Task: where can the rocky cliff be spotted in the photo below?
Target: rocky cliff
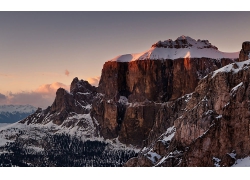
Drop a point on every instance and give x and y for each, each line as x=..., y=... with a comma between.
x=211, y=129
x=134, y=91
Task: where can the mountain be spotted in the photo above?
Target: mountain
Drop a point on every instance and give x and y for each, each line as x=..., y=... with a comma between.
x=129, y=105
x=64, y=134
x=183, y=46
x=211, y=127
x=180, y=103
x=14, y=113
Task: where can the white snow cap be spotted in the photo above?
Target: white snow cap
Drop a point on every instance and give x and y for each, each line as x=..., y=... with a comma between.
x=183, y=46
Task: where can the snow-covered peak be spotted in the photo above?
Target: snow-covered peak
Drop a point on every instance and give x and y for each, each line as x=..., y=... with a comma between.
x=184, y=42
x=182, y=47
x=17, y=108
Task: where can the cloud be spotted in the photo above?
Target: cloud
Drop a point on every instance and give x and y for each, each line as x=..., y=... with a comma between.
x=66, y=72
x=94, y=81
x=32, y=98
x=50, y=88
x=2, y=97
x=42, y=97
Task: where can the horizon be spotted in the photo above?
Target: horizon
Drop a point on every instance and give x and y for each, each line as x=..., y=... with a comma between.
x=42, y=51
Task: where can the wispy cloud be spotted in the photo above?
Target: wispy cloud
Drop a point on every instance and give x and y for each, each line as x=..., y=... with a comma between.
x=50, y=88
x=94, y=81
x=67, y=72
x=42, y=97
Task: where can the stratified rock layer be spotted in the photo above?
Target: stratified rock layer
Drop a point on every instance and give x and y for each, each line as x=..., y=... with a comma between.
x=143, y=84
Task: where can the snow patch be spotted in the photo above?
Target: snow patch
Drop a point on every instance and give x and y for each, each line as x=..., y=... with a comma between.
x=244, y=162
x=188, y=97
x=4, y=124
x=232, y=155
x=227, y=104
x=234, y=89
x=216, y=162
x=170, y=155
x=169, y=134
x=153, y=156
x=123, y=100
x=218, y=117
x=209, y=112
x=234, y=67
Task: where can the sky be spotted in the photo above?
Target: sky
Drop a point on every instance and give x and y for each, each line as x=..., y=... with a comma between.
x=42, y=51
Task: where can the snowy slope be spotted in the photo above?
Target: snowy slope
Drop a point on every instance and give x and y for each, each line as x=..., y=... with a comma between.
x=245, y=162
x=191, y=48
x=4, y=124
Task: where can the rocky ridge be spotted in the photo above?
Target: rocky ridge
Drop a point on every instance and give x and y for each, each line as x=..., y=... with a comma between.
x=212, y=129
x=184, y=42
x=69, y=109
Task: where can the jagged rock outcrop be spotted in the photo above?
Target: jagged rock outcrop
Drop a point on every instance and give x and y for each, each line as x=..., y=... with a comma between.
x=245, y=51
x=182, y=42
x=66, y=105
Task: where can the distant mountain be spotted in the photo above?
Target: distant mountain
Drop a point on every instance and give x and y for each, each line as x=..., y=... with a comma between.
x=14, y=113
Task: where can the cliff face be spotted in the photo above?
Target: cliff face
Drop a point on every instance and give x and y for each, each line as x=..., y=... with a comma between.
x=143, y=84
x=227, y=137
x=212, y=129
x=155, y=80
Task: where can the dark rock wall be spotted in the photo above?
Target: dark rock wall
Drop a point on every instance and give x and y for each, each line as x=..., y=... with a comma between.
x=144, y=83
x=212, y=125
